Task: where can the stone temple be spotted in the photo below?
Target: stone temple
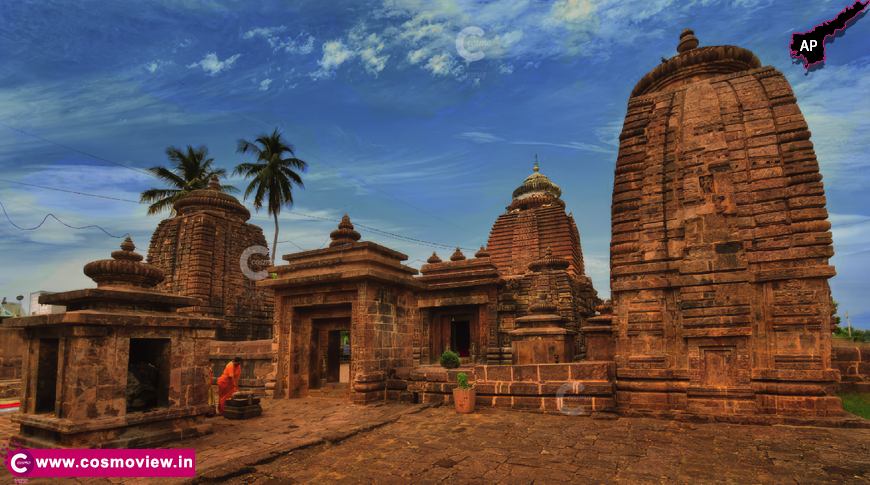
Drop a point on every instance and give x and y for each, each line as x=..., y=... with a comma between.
x=720, y=307
x=720, y=244
x=199, y=251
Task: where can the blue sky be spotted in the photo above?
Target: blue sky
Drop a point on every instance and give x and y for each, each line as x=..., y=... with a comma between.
x=401, y=132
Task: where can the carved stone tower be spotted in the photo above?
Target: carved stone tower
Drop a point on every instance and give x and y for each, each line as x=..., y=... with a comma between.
x=720, y=243
x=200, y=251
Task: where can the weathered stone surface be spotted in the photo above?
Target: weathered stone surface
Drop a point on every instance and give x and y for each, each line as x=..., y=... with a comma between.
x=117, y=369
x=720, y=247
x=200, y=251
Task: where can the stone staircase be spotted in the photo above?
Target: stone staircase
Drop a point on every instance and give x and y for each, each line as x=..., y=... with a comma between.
x=331, y=390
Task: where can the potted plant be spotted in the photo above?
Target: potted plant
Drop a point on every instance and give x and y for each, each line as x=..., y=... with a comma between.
x=450, y=359
x=463, y=396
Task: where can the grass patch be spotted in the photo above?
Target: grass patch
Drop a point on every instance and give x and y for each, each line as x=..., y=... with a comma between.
x=857, y=404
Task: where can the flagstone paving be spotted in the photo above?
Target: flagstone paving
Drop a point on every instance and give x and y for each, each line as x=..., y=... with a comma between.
x=392, y=443
x=284, y=425
x=504, y=447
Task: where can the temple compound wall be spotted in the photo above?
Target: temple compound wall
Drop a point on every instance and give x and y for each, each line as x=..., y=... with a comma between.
x=200, y=251
x=720, y=243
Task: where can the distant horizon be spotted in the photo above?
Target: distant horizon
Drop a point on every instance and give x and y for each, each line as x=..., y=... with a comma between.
x=401, y=130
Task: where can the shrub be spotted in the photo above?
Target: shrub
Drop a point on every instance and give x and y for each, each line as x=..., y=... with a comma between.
x=450, y=359
x=462, y=377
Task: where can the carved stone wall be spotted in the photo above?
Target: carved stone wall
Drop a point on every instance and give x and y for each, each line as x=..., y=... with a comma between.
x=720, y=244
x=200, y=250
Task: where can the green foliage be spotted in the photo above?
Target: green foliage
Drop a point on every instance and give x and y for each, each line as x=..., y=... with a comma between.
x=857, y=404
x=450, y=359
x=273, y=174
x=462, y=377
x=192, y=170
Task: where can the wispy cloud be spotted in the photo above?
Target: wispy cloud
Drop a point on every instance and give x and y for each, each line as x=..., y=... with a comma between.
x=211, y=65
x=572, y=145
x=479, y=137
x=264, y=85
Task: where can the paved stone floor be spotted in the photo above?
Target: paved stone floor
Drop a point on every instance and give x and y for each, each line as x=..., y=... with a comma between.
x=284, y=425
x=504, y=447
x=436, y=445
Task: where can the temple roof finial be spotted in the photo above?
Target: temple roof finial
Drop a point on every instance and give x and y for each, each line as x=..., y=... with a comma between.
x=214, y=184
x=688, y=41
x=536, y=163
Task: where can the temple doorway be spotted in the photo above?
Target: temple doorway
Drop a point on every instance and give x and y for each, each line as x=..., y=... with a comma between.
x=330, y=357
x=460, y=338
x=455, y=330
x=338, y=356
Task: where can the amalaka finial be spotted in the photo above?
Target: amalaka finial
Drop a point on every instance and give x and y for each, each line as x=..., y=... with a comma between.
x=688, y=41
x=536, y=163
x=213, y=184
x=345, y=234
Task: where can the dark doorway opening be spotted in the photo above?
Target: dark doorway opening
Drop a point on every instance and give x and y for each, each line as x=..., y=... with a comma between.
x=46, y=376
x=148, y=374
x=460, y=342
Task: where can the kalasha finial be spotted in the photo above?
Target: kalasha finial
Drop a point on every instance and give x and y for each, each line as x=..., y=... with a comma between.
x=128, y=245
x=482, y=253
x=214, y=184
x=124, y=269
x=345, y=233
x=536, y=163
x=433, y=259
x=688, y=41
x=457, y=256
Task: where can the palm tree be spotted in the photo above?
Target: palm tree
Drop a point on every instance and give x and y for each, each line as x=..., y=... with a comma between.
x=192, y=171
x=273, y=175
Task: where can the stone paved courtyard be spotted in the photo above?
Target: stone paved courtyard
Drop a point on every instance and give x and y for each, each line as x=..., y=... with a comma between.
x=437, y=445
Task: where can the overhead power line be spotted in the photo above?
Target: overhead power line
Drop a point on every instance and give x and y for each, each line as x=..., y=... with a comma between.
x=371, y=229
x=75, y=150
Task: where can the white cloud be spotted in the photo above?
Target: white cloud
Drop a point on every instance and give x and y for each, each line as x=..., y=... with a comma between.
x=296, y=47
x=479, y=137
x=265, y=32
x=442, y=65
x=212, y=65
x=572, y=145
x=264, y=86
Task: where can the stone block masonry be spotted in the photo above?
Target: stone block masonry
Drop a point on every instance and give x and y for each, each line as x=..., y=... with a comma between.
x=200, y=250
x=720, y=244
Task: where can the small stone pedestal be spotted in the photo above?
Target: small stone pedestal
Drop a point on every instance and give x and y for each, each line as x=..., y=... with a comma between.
x=243, y=405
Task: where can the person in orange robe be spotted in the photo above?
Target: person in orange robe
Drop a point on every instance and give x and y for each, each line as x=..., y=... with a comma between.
x=229, y=382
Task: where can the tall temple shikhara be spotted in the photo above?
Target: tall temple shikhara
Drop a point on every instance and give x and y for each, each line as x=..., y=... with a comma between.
x=720, y=247
x=200, y=250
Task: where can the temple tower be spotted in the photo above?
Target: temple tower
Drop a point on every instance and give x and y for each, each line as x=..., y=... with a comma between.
x=534, y=224
x=720, y=243
x=200, y=252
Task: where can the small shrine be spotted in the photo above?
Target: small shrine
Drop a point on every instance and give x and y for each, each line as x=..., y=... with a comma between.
x=541, y=337
x=121, y=368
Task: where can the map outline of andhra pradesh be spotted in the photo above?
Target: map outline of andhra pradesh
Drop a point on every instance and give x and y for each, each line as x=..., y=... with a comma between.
x=810, y=46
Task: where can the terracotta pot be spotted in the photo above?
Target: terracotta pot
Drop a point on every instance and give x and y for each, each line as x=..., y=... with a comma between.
x=464, y=400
